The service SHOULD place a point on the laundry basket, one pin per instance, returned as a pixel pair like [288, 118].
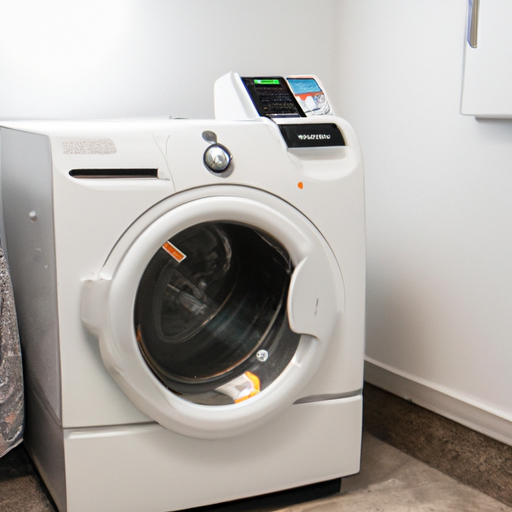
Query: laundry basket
[11, 376]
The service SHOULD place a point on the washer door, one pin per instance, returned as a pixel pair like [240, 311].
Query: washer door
[214, 315]
[210, 313]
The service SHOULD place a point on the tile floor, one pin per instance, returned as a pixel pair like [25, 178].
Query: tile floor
[390, 480]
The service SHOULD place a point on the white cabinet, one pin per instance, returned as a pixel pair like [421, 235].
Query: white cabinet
[487, 85]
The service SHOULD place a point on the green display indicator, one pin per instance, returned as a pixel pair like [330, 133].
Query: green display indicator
[266, 81]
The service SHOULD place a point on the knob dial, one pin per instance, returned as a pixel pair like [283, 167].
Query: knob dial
[217, 158]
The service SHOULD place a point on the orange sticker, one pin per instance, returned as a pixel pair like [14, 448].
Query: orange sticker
[174, 251]
[300, 185]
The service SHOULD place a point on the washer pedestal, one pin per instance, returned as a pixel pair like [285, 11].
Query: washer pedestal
[145, 467]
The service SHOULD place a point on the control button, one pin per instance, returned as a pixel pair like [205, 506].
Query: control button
[217, 158]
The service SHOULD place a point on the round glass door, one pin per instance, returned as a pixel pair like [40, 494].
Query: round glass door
[210, 313]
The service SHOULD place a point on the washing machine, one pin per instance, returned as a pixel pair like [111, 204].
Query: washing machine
[190, 296]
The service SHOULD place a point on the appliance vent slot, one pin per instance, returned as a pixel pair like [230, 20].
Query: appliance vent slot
[113, 173]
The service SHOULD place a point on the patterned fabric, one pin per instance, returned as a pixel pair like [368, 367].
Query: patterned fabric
[11, 376]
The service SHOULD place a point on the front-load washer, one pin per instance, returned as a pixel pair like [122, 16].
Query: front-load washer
[190, 296]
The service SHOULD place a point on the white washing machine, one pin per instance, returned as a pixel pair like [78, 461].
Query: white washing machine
[191, 302]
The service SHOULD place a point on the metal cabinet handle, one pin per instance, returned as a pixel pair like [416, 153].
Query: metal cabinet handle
[474, 6]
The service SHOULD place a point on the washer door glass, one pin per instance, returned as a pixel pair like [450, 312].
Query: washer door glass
[210, 313]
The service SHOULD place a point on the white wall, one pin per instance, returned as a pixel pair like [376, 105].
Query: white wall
[439, 212]
[121, 58]
[439, 184]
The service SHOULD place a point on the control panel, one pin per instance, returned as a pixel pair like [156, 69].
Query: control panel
[297, 104]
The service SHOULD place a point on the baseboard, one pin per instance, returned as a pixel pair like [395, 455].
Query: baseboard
[440, 402]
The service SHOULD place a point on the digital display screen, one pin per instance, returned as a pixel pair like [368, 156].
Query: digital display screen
[312, 135]
[304, 85]
[272, 97]
[309, 95]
